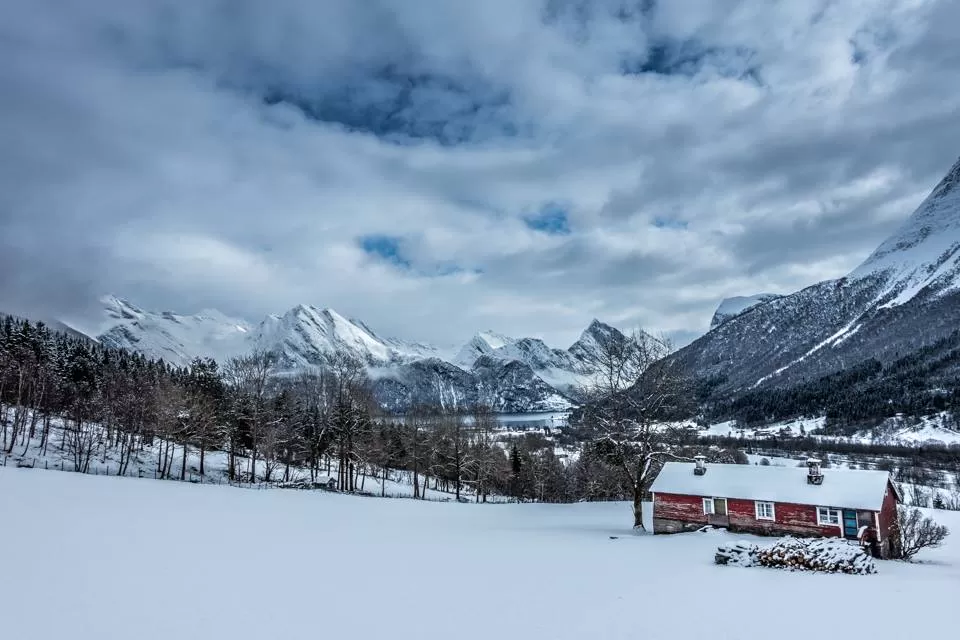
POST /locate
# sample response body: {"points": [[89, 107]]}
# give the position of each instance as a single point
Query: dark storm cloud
{"points": [[435, 167]]}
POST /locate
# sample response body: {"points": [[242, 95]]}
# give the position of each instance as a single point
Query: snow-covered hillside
{"points": [[899, 430], [100, 558], [60, 453]]}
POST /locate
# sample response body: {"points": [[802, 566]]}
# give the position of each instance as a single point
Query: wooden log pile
{"points": [[830, 555], [738, 554]]}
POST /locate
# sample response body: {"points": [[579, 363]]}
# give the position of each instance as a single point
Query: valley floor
{"points": [[98, 558]]}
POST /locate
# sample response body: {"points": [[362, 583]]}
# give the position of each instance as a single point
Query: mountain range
{"points": [[508, 374], [899, 303]]}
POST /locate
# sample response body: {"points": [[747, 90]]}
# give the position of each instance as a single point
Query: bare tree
{"points": [[489, 460], [459, 455], [418, 431], [249, 377], [314, 396], [352, 407], [915, 532], [626, 408]]}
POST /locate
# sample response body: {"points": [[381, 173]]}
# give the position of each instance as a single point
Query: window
{"points": [[715, 506], [764, 510], [828, 516]]}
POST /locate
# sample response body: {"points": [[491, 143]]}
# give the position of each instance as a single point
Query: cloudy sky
{"points": [[435, 167]]}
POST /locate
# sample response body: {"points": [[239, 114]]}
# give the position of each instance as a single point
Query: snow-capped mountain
{"points": [[175, 338], [508, 374], [900, 300], [482, 344], [924, 254], [308, 336], [732, 307], [566, 370]]}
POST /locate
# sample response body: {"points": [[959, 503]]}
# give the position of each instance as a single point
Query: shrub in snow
{"points": [[916, 532], [799, 554]]}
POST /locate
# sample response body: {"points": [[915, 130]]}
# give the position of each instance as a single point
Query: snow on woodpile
{"points": [[830, 555]]}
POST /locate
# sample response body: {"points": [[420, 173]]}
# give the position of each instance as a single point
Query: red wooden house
{"points": [[776, 500]]}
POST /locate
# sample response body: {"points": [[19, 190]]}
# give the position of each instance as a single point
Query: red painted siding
{"points": [[798, 519], [888, 513], [682, 508]]}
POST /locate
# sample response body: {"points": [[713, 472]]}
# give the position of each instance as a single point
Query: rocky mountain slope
{"points": [[900, 300], [511, 375]]}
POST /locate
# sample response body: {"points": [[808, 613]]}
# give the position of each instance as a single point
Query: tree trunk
{"points": [[45, 435], [638, 508]]}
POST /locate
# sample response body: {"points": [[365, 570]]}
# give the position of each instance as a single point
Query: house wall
{"points": [[888, 518], [674, 513]]}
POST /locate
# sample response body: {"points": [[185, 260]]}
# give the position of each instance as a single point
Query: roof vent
{"points": [[701, 466], [814, 474]]}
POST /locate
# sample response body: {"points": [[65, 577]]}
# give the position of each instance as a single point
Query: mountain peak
{"points": [[924, 251], [483, 343], [117, 308], [949, 182], [175, 338]]}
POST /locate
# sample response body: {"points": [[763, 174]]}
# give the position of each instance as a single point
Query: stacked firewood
{"points": [[800, 554]]}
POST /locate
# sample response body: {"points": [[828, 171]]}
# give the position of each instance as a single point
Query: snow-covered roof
{"points": [[843, 488]]}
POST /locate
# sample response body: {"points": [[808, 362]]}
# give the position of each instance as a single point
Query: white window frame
{"points": [[708, 511], [834, 517], [762, 515]]}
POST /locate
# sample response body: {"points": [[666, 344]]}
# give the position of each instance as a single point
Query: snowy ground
{"points": [[795, 427], [99, 558], [897, 431]]}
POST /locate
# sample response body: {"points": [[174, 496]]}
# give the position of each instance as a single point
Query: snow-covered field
{"points": [[99, 558], [896, 431]]}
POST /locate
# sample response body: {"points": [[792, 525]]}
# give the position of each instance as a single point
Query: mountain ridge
{"points": [[510, 374]]}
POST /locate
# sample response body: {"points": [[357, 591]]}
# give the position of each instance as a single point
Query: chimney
{"points": [[814, 475], [701, 467]]}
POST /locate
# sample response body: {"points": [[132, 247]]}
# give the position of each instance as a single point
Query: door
{"points": [[850, 524], [719, 516]]}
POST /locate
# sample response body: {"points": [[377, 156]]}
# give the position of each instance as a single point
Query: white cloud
{"points": [[139, 155]]}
